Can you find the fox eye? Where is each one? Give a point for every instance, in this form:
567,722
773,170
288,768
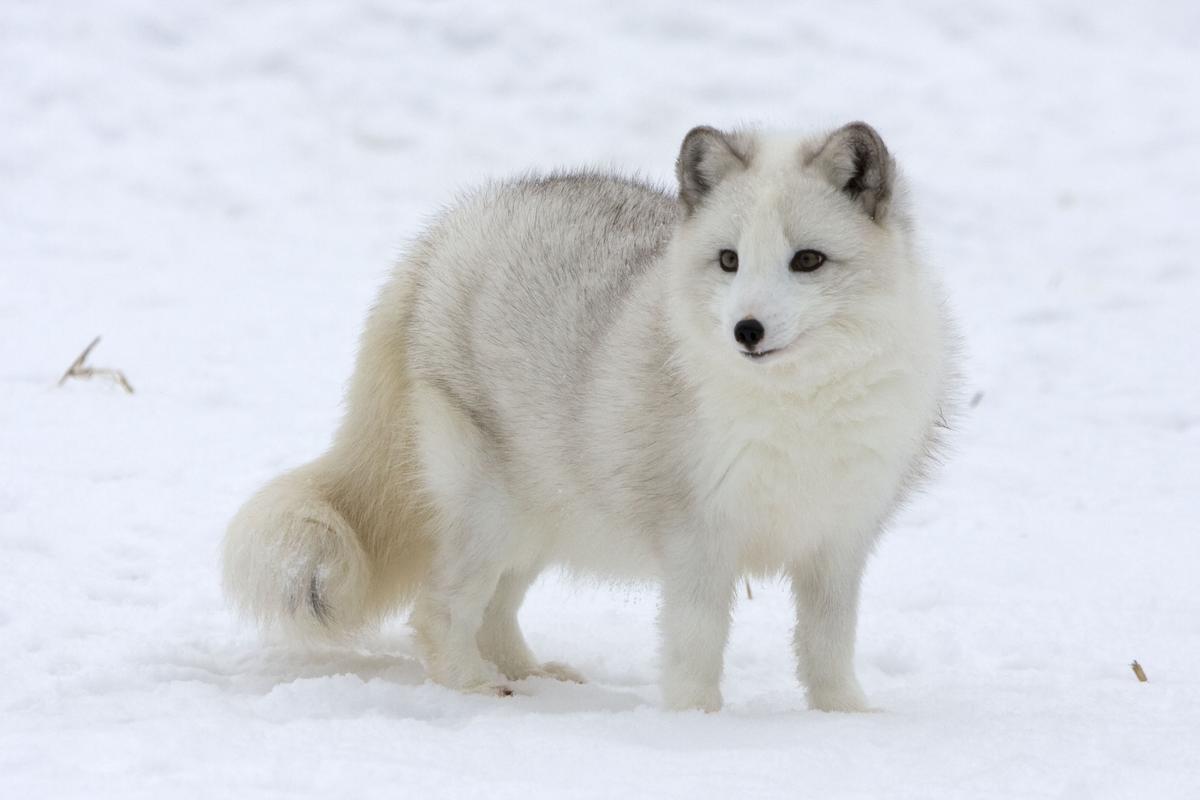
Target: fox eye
807,260
728,259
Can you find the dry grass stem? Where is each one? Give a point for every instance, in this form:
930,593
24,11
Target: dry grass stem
80,369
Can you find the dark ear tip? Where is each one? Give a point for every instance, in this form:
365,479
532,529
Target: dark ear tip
699,132
860,128
863,132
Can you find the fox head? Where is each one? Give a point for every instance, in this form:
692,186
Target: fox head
788,249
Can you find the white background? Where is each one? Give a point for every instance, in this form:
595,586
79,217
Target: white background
219,188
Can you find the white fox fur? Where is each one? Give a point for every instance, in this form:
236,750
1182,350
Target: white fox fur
553,377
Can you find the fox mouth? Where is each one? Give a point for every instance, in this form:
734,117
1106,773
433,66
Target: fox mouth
755,355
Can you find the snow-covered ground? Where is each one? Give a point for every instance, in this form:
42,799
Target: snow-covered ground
219,187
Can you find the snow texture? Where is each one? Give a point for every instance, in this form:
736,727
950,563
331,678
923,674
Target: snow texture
219,188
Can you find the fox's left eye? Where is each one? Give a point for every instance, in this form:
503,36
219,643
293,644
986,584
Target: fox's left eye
728,260
807,260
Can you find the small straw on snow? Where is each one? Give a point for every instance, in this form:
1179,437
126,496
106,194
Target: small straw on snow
78,369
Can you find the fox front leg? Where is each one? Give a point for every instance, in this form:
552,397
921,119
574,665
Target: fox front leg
826,589
697,599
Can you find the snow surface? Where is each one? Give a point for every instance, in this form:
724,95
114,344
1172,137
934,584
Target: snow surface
219,187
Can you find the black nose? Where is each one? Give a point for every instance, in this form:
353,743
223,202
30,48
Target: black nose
749,332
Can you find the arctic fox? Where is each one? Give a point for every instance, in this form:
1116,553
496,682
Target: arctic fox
583,370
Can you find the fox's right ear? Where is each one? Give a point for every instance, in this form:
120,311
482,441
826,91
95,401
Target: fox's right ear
856,161
706,158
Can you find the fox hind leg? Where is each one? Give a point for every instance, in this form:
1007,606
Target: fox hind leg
447,618
500,639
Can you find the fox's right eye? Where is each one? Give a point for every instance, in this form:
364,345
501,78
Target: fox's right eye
728,259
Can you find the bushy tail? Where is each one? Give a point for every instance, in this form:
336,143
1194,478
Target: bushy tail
331,547
293,562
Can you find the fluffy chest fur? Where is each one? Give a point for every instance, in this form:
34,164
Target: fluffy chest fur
784,472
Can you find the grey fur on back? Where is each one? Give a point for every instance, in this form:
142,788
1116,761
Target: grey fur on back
517,292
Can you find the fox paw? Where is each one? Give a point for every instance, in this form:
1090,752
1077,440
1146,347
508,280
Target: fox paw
843,698
551,669
491,689
559,672
690,696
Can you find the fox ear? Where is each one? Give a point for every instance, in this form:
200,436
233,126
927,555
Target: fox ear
855,160
706,158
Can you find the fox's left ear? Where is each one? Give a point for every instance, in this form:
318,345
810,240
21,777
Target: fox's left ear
706,158
855,160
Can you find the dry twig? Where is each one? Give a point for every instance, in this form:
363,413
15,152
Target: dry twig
79,369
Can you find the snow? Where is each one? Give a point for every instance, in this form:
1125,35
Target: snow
219,187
